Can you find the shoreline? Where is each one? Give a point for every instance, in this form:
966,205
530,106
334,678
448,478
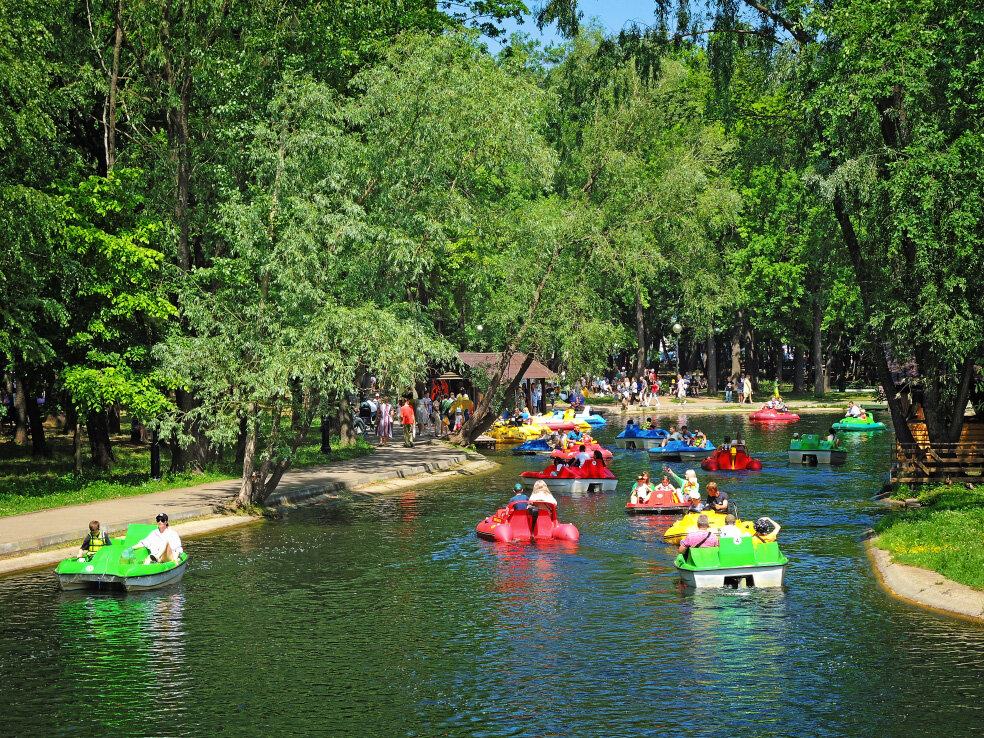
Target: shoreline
397,479
924,587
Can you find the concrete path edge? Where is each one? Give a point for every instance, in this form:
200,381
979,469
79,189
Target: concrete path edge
926,588
43,551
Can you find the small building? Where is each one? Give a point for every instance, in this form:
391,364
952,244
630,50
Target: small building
535,374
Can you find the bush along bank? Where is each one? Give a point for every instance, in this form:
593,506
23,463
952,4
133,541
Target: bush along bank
944,533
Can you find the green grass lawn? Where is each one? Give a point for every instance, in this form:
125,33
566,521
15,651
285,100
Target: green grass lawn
28,484
946,536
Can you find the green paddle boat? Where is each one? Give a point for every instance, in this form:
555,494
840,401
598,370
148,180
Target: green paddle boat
812,450
737,562
849,423
117,566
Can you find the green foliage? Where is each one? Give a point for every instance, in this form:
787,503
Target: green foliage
943,536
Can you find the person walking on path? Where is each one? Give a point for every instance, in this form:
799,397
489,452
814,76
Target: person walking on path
741,389
407,420
747,387
384,421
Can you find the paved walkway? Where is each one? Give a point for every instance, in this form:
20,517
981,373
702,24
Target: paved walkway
65,525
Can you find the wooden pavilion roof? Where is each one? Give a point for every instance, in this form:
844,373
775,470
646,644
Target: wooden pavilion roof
536,369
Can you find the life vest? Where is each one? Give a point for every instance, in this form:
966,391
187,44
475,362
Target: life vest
96,542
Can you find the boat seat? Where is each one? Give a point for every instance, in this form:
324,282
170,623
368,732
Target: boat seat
810,441
737,551
520,523
704,558
136,533
767,553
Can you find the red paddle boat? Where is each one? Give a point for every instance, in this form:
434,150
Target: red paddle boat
768,415
573,480
730,457
573,449
660,503
509,524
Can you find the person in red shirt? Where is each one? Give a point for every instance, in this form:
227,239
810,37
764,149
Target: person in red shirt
407,420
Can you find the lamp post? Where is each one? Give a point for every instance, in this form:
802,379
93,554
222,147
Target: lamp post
677,328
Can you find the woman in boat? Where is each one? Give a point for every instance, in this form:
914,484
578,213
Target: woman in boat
833,438
689,486
641,490
541,494
766,530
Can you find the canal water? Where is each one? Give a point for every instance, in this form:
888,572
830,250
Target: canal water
387,616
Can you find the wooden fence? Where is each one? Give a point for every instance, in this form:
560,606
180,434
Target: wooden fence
918,463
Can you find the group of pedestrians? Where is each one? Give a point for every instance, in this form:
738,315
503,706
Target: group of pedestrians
743,386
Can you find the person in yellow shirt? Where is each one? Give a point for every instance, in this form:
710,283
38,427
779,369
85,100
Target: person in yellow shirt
766,530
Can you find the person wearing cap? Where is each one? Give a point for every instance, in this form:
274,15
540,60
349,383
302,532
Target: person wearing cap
94,540
641,490
766,531
700,537
520,498
162,544
717,500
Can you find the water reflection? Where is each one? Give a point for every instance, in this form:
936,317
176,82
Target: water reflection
388,616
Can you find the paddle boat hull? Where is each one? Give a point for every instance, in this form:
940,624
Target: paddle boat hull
697,453
736,562
768,415
724,460
592,477
108,569
856,424
509,524
671,450
660,503
536,447
634,439
812,451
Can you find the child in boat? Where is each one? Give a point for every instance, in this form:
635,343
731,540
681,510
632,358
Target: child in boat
94,540
665,487
641,490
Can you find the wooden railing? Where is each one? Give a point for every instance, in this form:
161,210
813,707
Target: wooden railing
918,463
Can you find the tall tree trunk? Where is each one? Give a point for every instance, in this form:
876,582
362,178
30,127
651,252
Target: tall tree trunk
902,431
71,415
640,360
711,369
816,351
20,412
751,357
483,416
198,453
113,417
77,446
346,425
799,372
251,486
100,444
114,74
736,352
241,441
39,446
780,356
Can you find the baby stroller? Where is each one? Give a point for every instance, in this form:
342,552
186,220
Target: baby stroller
367,413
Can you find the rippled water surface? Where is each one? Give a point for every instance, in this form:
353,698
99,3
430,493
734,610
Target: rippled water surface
387,616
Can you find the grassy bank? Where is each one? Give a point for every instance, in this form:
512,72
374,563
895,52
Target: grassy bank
28,484
945,535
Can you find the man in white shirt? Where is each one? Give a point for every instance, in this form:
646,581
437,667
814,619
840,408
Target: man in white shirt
582,457
730,530
163,544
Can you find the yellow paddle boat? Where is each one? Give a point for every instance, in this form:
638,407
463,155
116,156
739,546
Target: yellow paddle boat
678,531
515,433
